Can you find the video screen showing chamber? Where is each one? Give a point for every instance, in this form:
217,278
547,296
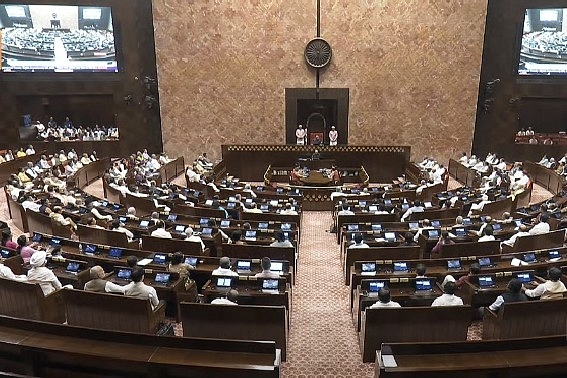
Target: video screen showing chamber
57,38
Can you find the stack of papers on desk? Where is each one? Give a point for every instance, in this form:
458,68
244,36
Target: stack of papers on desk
144,262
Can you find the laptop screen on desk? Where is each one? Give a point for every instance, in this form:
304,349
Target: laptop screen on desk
162,278
436,223
413,225
368,267
496,227
115,253
529,257
36,237
554,255
225,223
375,286
204,221
124,274
172,217
276,266
263,225
454,264
467,221
90,248
524,277
224,282
372,208
376,227
485,281
207,231
5,253
244,265
423,284
390,236
400,266
231,205
461,232
191,261
286,226
73,267
159,258
122,219
362,203
250,234
433,234
55,241
180,228
270,284
484,261
264,207
352,227
144,224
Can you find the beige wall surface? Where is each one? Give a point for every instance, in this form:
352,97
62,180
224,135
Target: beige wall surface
412,68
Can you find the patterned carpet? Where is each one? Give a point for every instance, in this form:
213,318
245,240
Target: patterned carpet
322,339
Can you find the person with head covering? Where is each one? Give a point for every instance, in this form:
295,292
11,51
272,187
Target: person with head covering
98,284
300,135
42,275
192,237
333,136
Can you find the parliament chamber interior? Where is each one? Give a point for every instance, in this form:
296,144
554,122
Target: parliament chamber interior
283,188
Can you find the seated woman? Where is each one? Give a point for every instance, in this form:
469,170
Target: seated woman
178,265
25,250
7,239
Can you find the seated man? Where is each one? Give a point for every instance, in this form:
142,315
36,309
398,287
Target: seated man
6,272
488,235
513,294
542,227
224,268
384,299
230,300
42,275
550,289
280,240
416,208
522,232
448,298
266,272
119,227
192,237
98,284
420,270
345,210
316,155
137,288
358,242
160,231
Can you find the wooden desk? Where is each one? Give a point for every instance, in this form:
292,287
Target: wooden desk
249,293
531,357
36,348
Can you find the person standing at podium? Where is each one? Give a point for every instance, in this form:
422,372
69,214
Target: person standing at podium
300,134
333,136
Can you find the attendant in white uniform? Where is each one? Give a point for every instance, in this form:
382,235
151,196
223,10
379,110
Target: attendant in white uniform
300,134
333,136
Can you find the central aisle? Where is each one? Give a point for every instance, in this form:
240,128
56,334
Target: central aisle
322,338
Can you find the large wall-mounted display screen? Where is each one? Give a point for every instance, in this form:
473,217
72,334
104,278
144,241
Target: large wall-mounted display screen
57,38
544,42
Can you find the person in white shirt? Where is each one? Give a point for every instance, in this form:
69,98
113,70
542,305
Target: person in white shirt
6,272
501,165
425,225
345,210
384,300
96,213
192,237
448,298
41,275
137,288
85,159
542,227
544,160
92,223
119,227
416,208
192,176
280,240
463,159
160,231
230,300
253,208
248,189
522,232
224,268
472,161
479,206
43,163
488,235
266,272
550,289
358,242
288,210
30,150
